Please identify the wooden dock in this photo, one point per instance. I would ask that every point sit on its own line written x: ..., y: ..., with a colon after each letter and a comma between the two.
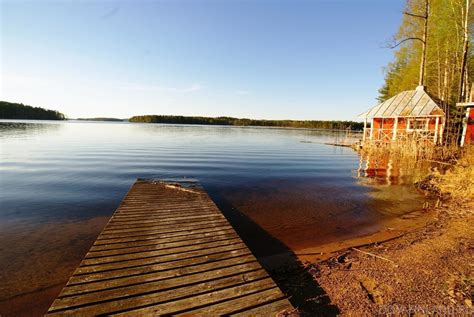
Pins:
x: 168, y: 250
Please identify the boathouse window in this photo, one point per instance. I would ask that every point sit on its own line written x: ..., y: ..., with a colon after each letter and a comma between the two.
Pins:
x: 417, y: 125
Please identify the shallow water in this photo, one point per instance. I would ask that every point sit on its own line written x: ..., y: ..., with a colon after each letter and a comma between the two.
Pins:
x: 60, y: 181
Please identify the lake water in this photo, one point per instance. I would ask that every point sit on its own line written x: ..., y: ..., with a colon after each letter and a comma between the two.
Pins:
x: 61, y: 181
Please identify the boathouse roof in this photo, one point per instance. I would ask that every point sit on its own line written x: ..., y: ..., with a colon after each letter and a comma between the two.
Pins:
x: 410, y: 103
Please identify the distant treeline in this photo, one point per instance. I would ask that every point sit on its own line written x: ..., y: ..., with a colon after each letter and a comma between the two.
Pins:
x: 309, y: 124
x: 101, y: 119
x: 9, y: 110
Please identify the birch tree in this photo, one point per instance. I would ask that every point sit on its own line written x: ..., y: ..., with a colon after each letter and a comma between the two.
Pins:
x: 437, y: 55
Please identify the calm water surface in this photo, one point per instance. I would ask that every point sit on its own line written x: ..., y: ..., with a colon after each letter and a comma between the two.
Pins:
x: 60, y: 181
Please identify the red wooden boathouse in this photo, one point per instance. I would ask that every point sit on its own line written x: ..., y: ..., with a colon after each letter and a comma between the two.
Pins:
x: 468, y: 124
x: 412, y: 114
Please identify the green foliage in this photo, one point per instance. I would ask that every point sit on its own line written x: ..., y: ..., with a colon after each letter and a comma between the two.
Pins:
x: 443, y: 53
x: 9, y: 110
x: 335, y: 125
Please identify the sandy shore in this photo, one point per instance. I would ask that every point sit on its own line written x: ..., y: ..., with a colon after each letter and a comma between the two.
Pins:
x: 389, y: 229
x: 426, y: 271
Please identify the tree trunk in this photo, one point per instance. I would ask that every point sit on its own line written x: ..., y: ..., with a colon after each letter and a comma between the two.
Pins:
x: 462, y: 91
x: 423, y: 47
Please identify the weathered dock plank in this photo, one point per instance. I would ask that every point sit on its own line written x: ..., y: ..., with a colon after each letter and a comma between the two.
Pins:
x: 168, y: 250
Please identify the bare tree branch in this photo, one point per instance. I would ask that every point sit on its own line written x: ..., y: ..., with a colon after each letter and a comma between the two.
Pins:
x: 404, y: 40
x: 415, y: 15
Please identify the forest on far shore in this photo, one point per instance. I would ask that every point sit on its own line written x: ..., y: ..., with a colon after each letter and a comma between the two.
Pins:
x: 10, y: 110
x: 309, y: 124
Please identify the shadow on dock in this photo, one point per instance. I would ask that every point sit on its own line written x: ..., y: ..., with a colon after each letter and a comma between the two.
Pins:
x: 281, y: 263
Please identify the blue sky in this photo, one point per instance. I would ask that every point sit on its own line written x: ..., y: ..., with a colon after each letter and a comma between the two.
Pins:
x: 258, y: 59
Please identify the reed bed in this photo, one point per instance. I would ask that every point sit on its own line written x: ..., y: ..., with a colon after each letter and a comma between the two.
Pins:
x: 413, y: 150
x: 451, y: 171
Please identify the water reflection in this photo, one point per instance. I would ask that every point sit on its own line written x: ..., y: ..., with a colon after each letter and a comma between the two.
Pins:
x: 392, y: 182
x: 23, y: 129
x: 386, y: 170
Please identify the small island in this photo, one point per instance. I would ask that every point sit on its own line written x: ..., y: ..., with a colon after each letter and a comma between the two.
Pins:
x: 101, y: 119
x: 10, y: 110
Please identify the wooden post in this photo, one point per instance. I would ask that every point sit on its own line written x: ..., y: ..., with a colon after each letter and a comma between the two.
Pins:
x: 464, y: 128
x: 441, y: 130
x: 466, y: 120
x: 380, y: 134
x: 365, y: 129
x: 435, y: 139
x: 371, y: 129
x: 395, y: 129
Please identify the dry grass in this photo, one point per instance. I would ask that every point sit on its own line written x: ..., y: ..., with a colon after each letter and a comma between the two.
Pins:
x: 459, y: 180
x: 412, y: 150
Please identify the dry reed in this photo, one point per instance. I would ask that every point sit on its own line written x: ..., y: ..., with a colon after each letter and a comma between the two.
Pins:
x: 458, y: 181
x: 455, y: 180
x: 412, y: 150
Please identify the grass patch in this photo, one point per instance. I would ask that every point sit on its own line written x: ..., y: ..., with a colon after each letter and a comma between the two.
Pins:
x: 458, y: 181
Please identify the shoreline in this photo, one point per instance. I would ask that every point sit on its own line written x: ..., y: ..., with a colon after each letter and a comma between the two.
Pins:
x: 392, y: 229
x: 426, y: 271
x: 420, y: 271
